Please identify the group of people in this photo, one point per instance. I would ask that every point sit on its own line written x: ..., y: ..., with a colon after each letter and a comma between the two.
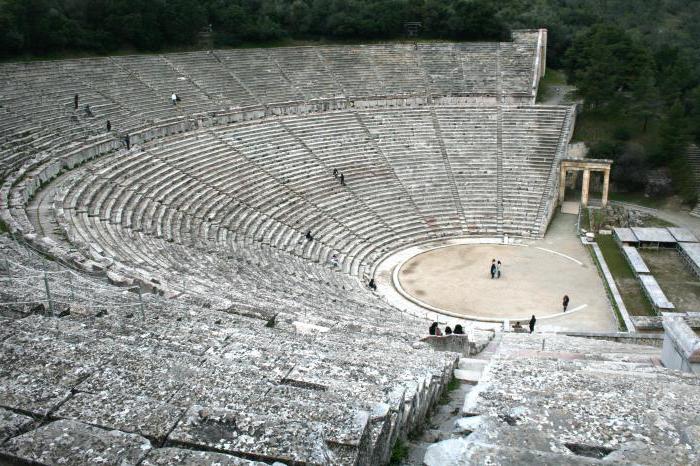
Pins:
x: 339, y: 176
x: 496, y: 268
x: 435, y: 330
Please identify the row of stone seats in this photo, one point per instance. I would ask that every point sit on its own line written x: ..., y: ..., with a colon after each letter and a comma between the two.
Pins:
x: 532, y: 140
x: 203, y: 187
x: 134, y: 91
x: 471, y: 144
x: 178, y: 373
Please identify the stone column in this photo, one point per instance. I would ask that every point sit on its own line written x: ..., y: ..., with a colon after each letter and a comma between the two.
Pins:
x: 562, y: 183
x: 606, y: 183
x: 585, y: 186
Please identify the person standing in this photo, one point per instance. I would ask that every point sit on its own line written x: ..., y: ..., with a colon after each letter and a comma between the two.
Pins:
x: 75, y: 102
x: 493, y: 268
x: 335, y: 173
x: 174, y: 98
x: 342, y: 179
x: 532, y: 323
x: 565, y: 302
x: 109, y: 126
x: 431, y: 329
x: 498, y: 269
x: 127, y: 139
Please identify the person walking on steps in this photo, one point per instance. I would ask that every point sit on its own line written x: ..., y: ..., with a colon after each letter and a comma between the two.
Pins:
x: 532, y: 323
x: 565, y: 302
x: 342, y: 179
x: 493, y: 268
x: 174, y: 98
x: 127, y: 140
x: 109, y: 126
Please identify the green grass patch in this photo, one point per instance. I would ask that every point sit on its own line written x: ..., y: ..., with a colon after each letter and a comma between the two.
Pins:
x: 621, y: 326
x: 451, y: 386
x: 551, y: 78
x: 639, y: 199
x: 630, y: 289
x: 398, y: 453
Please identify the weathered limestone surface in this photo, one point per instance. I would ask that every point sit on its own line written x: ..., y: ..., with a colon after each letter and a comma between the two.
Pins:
x: 12, y: 424
x: 569, y: 403
x: 74, y: 443
x: 170, y: 456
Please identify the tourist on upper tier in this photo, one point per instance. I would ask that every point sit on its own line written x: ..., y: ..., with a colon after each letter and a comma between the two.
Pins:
x: 371, y: 285
x: 335, y: 173
x: 438, y: 332
x: 448, y: 330
x: 493, y: 268
x: 75, y: 102
x: 309, y: 236
x: 565, y: 302
x: 498, y: 269
x: 174, y: 98
x: 127, y: 140
x: 109, y: 126
x: 532, y: 324
x: 342, y: 179
x: 334, y: 260
x: 431, y: 329
x: 458, y: 330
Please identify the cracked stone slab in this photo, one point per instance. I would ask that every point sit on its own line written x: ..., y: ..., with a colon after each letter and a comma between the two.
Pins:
x: 12, y: 424
x: 31, y: 394
x: 266, y: 438
x: 73, y: 443
x: 142, y: 415
x: 183, y: 457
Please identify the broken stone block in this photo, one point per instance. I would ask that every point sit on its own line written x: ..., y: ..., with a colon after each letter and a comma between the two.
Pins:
x: 73, y: 443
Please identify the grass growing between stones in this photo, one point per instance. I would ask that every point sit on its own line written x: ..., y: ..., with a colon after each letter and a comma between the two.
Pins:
x: 398, y: 453
x: 452, y: 385
x: 630, y: 289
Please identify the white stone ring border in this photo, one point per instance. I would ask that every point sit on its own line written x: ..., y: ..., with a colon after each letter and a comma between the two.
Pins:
x: 394, y: 293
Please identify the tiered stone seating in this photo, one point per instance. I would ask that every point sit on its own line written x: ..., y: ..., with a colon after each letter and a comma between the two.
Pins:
x: 531, y: 140
x: 470, y: 137
x: 207, y: 72
x: 423, y: 172
x: 177, y: 373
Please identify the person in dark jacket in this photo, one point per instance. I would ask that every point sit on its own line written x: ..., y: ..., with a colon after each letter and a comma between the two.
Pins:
x: 342, y: 179
x: 372, y: 286
x: 109, y: 126
x: 309, y: 236
x: 335, y: 173
x: 75, y: 102
x: 532, y: 324
x: 431, y: 329
x: 565, y: 302
x: 458, y: 330
x: 493, y: 268
x: 448, y: 330
x: 127, y: 140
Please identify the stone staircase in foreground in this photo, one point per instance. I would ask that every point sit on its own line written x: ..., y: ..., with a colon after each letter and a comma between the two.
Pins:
x: 554, y: 399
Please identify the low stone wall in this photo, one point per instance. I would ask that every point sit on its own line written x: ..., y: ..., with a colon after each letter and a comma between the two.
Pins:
x: 681, y: 348
x: 452, y: 343
x: 647, y: 339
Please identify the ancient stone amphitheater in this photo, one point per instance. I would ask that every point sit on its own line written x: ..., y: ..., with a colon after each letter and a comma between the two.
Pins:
x: 162, y: 304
